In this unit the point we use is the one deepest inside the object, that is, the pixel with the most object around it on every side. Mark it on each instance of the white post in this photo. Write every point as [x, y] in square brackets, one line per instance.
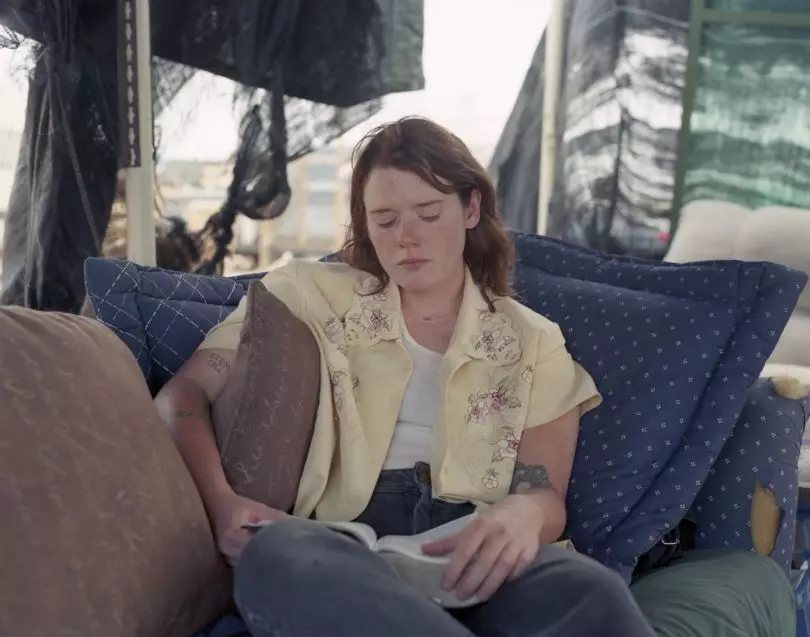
[140, 179]
[551, 97]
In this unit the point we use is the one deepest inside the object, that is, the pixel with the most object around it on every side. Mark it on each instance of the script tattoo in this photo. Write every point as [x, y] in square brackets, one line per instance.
[218, 364]
[529, 477]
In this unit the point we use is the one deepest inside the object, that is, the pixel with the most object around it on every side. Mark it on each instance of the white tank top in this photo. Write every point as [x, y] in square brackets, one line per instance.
[413, 435]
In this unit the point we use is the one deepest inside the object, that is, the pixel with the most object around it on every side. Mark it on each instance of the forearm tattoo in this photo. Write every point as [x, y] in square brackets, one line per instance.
[218, 363]
[529, 477]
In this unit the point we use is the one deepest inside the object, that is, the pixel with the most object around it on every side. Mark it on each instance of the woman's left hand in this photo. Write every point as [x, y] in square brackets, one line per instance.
[497, 545]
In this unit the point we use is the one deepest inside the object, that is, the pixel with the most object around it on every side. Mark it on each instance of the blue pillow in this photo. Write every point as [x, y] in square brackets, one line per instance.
[764, 448]
[673, 349]
[161, 315]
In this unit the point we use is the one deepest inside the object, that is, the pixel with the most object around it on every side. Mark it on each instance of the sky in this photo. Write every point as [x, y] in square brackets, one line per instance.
[476, 53]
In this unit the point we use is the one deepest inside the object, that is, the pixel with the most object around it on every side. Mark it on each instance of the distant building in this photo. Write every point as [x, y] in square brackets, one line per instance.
[312, 225]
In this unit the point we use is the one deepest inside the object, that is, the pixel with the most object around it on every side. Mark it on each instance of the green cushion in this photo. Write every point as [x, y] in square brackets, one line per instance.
[718, 593]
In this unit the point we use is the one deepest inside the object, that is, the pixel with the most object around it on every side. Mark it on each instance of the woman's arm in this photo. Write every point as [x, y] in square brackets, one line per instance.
[505, 538]
[543, 469]
[184, 403]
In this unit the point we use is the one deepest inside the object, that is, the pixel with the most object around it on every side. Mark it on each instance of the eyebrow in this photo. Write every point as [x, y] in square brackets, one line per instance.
[423, 204]
[428, 203]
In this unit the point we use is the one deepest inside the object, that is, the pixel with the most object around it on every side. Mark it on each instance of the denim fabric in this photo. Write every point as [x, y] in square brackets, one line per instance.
[403, 504]
[298, 577]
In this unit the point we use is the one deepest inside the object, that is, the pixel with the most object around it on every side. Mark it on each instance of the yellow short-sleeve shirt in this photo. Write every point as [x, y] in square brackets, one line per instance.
[504, 371]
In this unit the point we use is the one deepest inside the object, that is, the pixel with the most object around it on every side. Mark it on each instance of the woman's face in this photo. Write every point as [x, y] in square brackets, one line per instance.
[417, 231]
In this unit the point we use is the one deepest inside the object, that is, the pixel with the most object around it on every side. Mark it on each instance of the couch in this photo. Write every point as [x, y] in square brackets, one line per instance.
[709, 230]
[687, 431]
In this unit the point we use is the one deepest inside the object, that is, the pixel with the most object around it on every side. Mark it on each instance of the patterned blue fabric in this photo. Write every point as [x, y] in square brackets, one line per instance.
[764, 448]
[161, 315]
[673, 349]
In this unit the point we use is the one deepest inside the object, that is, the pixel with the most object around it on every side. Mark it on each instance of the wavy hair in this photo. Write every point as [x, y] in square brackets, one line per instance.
[440, 158]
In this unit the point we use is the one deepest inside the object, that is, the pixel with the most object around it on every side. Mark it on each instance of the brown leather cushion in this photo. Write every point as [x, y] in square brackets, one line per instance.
[103, 531]
[265, 415]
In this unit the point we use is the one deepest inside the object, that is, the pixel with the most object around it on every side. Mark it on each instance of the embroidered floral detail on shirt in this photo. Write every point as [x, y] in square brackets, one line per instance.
[372, 320]
[497, 340]
[332, 327]
[368, 285]
[507, 447]
[338, 389]
[497, 399]
[490, 479]
[527, 374]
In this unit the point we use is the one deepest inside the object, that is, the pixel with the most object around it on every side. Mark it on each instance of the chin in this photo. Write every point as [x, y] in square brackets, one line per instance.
[414, 281]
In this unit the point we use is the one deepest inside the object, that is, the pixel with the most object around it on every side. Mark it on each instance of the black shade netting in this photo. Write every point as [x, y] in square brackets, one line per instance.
[307, 72]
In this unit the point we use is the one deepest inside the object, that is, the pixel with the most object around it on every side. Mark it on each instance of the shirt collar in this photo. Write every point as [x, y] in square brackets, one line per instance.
[480, 334]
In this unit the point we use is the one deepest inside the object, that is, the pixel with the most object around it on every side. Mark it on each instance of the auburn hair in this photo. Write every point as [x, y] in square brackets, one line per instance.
[441, 159]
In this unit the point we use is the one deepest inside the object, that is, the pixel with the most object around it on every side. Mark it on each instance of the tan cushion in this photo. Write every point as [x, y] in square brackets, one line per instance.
[707, 231]
[793, 347]
[777, 370]
[781, 235]
[265, 415]
[103, 531]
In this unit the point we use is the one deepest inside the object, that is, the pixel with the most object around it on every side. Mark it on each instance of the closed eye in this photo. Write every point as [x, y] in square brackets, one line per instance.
[430, 218]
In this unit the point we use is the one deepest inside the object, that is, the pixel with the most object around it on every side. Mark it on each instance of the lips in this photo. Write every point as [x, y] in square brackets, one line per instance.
[412, 262]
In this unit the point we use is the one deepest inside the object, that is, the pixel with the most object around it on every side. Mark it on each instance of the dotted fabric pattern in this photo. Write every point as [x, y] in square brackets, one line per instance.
[763, 449]
[673, 349]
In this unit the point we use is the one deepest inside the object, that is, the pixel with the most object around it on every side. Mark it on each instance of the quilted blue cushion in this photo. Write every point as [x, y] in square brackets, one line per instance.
[764, 448]
[161, 315]
[673, 349]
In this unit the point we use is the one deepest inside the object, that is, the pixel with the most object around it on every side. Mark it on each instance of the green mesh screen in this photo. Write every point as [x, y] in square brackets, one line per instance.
[751, 124]
[784, 6]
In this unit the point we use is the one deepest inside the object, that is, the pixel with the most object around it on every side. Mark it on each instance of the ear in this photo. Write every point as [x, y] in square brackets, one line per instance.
[472, 215]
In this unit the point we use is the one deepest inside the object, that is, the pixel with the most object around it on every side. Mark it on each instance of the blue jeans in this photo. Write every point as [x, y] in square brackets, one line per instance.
[299, 579]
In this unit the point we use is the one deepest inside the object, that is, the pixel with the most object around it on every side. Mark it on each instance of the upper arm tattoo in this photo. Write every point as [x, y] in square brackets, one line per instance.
[527, 477]
[218, 363]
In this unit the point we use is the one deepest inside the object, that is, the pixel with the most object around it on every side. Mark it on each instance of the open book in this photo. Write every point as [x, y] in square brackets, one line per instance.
[404, 555]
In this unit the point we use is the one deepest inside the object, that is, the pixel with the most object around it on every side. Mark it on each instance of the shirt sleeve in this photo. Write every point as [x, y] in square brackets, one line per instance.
[559, 383]
[283, 283]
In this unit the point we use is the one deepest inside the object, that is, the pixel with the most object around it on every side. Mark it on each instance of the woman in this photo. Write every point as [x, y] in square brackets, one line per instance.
[444, 395]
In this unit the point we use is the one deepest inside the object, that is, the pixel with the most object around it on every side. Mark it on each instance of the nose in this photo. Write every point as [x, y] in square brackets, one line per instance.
[408, 231]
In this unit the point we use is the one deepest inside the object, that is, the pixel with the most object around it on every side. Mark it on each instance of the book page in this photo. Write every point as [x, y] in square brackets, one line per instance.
[412, 544]
[362, 532]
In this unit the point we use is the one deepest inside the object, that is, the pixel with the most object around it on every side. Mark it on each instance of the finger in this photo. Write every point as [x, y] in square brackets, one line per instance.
[468, 546]
[525, 560]
[442, 546]
[504, 566]
[490, 557]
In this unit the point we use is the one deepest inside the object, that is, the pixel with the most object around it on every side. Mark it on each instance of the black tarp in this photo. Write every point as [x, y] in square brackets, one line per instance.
[618, 123]
[620, 113]
[309, 70]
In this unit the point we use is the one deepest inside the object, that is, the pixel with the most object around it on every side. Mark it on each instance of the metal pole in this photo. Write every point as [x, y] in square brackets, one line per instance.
[695, 44]
[135, 68]
[555, 37]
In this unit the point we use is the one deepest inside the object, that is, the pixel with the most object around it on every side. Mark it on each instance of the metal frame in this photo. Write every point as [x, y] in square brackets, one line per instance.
[700, 16]
[136, 128]
[554, 59]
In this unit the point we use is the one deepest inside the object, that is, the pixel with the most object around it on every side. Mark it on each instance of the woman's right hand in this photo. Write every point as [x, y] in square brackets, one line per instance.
[229, 515]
